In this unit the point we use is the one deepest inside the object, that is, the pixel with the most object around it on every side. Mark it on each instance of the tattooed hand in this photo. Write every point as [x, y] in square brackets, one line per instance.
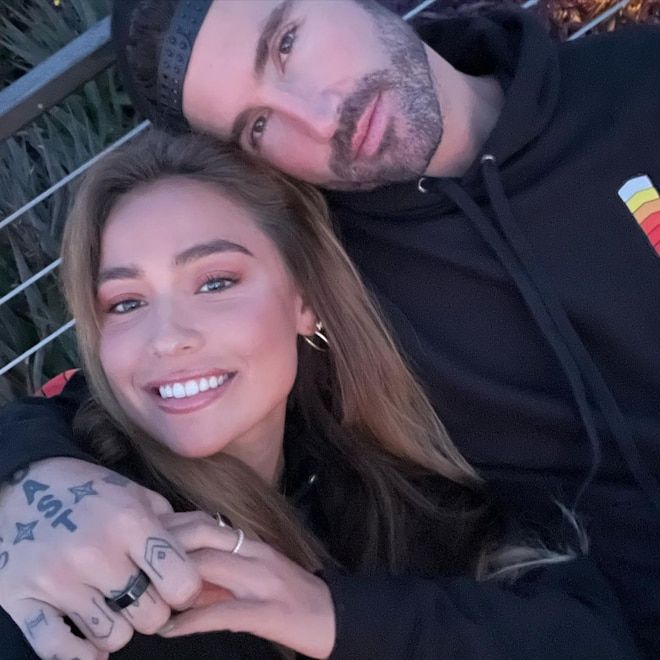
[72, 533]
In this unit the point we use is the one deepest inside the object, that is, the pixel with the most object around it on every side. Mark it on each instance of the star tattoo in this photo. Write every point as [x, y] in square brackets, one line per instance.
[25, 532]
[82, 491]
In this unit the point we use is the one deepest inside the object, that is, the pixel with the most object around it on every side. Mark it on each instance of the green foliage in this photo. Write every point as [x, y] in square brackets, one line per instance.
[32, 161]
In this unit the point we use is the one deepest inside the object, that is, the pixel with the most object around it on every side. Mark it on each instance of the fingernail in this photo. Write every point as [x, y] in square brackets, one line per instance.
[168, 627]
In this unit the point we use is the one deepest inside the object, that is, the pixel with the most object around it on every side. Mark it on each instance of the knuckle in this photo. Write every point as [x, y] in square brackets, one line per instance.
[156, 620]
[87, 557]
[185, 591]
[119, 638]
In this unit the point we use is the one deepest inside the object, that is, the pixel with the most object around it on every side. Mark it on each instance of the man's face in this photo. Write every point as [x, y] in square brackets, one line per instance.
[335, 92]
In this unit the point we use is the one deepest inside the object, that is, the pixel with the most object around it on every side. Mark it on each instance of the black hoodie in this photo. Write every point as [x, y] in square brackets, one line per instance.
[526, 294]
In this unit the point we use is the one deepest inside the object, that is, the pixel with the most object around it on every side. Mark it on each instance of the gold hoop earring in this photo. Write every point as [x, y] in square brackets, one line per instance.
[318, 334]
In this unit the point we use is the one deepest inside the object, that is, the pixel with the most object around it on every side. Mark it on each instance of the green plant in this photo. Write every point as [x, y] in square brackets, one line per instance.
[33, 160]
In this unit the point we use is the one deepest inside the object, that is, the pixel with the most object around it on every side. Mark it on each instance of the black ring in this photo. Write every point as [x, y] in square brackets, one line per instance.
[135, 589]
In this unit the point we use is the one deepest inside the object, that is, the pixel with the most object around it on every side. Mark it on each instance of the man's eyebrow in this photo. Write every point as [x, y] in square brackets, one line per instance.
[202, 250]
[118, 273]
[271, 26]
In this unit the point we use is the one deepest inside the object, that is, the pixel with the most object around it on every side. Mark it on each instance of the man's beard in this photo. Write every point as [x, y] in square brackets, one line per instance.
[408, 143]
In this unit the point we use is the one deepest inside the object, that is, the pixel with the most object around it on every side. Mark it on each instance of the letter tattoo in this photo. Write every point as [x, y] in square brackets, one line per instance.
[4, 559]
[31, 624]
[49, 505]
[157, 551]
[63, 519]
[25, 532]
[82, 491]
[30, 487]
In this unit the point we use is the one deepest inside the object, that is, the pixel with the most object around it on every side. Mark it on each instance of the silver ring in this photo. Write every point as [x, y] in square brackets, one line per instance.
[137, 586]
[239, 541]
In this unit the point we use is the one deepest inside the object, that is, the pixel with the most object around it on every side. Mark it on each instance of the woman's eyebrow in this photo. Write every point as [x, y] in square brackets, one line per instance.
[202, 250]
[118, 273]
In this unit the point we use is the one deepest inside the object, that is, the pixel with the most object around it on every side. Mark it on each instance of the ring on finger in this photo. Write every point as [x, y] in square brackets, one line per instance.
[136, 587]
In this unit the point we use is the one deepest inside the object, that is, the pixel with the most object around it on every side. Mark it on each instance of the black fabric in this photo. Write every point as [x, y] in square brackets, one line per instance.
[579, 121]
[576, 125]
[427, 611]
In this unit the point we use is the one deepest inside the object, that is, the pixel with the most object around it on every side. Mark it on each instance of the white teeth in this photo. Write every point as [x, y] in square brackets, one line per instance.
[191, 387]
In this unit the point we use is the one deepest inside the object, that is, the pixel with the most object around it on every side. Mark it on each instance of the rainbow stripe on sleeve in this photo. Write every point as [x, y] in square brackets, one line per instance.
[643, 201]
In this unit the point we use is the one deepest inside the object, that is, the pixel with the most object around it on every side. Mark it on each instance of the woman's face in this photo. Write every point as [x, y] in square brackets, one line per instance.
[199, 322]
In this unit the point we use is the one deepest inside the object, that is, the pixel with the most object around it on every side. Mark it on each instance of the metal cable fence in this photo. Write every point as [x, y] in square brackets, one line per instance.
[66, 180]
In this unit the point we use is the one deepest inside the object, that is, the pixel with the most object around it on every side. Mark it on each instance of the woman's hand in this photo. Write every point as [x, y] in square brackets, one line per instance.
[262, 592]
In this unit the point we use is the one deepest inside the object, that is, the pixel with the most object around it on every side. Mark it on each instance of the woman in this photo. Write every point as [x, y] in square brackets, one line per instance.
[238, 366]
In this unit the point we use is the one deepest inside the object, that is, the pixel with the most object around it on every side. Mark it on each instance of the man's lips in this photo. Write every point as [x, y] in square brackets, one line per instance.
[364, 129]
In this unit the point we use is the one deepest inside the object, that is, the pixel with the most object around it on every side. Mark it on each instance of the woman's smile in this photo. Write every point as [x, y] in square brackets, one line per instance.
[200, 321]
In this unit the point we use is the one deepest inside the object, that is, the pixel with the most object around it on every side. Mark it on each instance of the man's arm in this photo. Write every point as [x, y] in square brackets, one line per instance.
[37, 428]
[561, 611]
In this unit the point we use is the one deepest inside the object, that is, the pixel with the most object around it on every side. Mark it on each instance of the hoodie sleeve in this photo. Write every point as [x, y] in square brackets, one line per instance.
[37, 428]
[563, 611]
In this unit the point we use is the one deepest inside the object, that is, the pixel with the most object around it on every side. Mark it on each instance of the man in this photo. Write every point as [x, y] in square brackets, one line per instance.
[499, 193]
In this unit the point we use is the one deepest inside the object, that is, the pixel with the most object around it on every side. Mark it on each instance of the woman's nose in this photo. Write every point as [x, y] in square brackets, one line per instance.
[172, 336]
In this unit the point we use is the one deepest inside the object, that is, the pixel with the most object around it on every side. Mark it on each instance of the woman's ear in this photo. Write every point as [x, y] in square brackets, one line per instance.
[306, 320]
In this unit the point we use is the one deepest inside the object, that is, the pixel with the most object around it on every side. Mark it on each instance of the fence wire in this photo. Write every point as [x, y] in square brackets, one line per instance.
[601, 18]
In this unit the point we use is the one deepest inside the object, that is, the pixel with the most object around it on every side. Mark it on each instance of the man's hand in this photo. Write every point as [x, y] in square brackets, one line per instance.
[72, 533]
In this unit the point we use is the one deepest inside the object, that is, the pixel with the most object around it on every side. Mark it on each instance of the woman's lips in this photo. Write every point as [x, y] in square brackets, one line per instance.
[193, 403]
[369, 130]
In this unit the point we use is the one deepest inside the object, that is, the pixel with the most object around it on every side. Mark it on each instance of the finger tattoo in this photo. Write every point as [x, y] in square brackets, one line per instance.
[157, 551]
[4, 559]
[34, 622]
[100, 625]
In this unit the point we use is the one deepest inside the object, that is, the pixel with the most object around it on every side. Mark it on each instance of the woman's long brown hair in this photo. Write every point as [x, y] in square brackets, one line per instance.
[360, 394]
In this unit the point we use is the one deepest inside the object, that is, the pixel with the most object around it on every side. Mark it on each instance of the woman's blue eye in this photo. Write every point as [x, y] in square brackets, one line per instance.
[216, 284]
[125, 306]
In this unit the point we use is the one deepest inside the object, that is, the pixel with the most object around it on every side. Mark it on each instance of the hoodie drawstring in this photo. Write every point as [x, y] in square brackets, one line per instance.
[516, 255]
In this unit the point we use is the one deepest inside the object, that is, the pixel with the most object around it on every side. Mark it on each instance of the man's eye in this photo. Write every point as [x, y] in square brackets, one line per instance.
[213, 284]
[125, 306]
[257, 131]
[287, 41]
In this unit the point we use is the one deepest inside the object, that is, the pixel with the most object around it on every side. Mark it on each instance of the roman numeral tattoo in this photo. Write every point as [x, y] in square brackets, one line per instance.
[31, 624]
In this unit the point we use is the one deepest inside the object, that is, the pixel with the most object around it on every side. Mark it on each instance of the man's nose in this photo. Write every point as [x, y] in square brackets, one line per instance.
[171, 335]
[314, 113]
